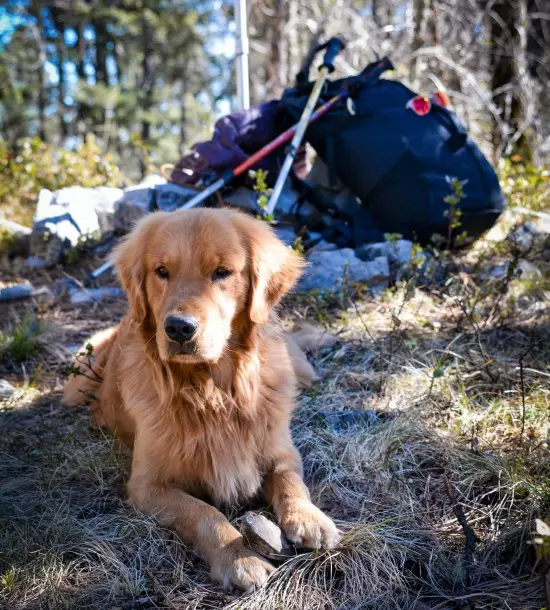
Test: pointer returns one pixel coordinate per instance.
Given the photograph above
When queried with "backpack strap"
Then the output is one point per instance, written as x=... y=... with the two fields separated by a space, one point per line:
x=459 y=135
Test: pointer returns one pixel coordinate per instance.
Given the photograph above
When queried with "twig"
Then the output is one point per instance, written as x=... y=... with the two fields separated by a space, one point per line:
x=360 y=316
x=92 y=397
x=96 y=376
x=159 y=589
x=546 y=585
x=522 y=386
x=488 y=360
x=469 y=533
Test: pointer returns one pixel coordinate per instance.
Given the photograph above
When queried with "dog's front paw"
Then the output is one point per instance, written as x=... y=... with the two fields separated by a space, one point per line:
x=238 y=566
x=307 y=526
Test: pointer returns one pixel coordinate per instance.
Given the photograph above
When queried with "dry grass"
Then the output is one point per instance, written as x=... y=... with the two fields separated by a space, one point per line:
x=451 y=406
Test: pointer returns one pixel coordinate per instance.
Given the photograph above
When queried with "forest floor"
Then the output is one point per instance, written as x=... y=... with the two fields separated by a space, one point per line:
x=436 y=493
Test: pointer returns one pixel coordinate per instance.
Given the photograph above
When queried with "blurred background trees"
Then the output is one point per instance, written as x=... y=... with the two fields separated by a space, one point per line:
x=148 y=77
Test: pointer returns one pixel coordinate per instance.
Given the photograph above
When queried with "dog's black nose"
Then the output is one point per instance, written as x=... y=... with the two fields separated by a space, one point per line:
x=181 y=329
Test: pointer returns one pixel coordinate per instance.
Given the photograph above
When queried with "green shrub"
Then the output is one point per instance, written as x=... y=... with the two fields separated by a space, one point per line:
x=32 y=165
x=526 y=185
x=23 y=340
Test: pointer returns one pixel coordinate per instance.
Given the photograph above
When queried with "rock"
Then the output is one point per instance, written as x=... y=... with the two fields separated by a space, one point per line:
x=498 y=271
x=346 y=420
x=64 y=217
x=17 y=240
x=398 y=252
x=135 y=203
x=75 y=212
x=33 y=262
x=323 y=246
x=6 y=389
x=246 y=199
x=17 y=292
x=14 y=228
x=243 y=198
x=541 y=223
x=170 y=197
x=25 y=291
x=263 y=536
x=528 y=270
x=327 y=270
x=286 y=234
x=94 y=295
x=523 y=237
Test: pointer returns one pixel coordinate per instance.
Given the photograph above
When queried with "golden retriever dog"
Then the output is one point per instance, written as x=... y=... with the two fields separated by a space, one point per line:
x=199 y=383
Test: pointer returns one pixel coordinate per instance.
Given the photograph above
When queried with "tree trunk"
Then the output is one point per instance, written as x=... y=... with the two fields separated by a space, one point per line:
x=62 y=88
x=506 y=48
x=147 y=85
x=275 y=69
x=41 y=104
x=101 y=40
x=81 y=46
x=418 y=10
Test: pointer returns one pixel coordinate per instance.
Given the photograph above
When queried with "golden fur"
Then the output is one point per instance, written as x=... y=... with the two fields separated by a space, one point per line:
x=208 y=421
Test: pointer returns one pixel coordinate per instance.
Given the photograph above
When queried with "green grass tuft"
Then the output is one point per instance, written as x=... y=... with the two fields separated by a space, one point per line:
x=23 y=340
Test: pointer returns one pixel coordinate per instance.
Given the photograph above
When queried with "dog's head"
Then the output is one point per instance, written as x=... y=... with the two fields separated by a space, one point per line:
x=194 y=278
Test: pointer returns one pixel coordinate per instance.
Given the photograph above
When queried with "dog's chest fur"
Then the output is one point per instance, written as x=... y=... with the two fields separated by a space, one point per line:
x=208 y=439
x=218 y=453
x=211 y=433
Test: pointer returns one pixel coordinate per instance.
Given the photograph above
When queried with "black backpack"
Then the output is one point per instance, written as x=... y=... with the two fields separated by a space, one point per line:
x=399 y=164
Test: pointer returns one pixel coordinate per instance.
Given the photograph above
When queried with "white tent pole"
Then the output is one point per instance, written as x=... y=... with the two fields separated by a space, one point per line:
x=243 y=89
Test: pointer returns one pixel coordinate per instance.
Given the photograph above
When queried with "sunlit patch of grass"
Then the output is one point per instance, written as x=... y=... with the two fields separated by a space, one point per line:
x=22 y=340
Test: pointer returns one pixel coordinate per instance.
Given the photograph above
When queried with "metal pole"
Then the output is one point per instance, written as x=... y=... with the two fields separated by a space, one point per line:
x=243 y=90
x=296 y=141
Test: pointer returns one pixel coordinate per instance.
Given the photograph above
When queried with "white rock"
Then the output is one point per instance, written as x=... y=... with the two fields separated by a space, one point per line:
x=528 y=270
x=75 y=212
x=6 y=389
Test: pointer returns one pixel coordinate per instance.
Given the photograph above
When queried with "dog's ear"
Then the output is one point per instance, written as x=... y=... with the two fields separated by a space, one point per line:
x=275 y=267
x=129 y=258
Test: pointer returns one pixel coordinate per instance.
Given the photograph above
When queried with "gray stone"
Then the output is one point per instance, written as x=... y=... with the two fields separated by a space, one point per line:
x=327 y=270
x=346 y=420
x=19 y=241
x=499 y=271
x=286 y=234
x=323 y=246
x=33 y=262
x=398 y=252
x=17 y=292
x=247 y=199
x=95 y=295
x=263 y=536
x=523 y=237
x=170 y=197
x=6 y=389
x=136 y=202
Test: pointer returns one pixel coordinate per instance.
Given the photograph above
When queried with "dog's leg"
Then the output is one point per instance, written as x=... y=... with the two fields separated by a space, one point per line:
x=301 y=520
x=205 y=528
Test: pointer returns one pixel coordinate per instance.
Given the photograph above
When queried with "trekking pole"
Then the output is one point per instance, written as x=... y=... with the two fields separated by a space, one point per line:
x=334 y=46
x=231 y=174
x=363 y=80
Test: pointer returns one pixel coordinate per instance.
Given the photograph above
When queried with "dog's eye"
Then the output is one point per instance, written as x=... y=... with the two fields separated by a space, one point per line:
x=162 y=272
x=220 y=273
